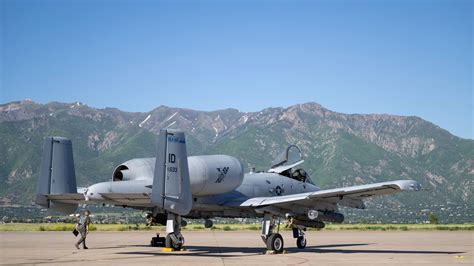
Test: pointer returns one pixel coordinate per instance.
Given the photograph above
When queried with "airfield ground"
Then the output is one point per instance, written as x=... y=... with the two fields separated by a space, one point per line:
x=242 y=248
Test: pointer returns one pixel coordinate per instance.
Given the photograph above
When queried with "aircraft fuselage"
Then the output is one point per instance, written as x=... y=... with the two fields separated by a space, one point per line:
x=261 y=184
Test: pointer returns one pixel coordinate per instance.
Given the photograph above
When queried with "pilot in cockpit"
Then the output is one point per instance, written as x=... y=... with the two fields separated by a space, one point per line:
x=299 y=174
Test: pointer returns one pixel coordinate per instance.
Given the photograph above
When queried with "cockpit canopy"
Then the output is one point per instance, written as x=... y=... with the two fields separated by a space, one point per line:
x=292 y=154
x=285 y=164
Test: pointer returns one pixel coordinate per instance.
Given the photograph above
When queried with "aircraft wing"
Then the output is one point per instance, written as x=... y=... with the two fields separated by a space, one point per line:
x=347 y=196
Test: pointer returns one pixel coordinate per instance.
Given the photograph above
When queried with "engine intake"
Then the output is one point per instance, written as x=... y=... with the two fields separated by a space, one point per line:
x=119 y=173
x=135 y=169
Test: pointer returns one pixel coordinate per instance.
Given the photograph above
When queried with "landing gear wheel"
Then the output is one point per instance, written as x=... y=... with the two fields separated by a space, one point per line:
x=275 y=243
x=301 y=242
x=208 y=223
x=171 y=243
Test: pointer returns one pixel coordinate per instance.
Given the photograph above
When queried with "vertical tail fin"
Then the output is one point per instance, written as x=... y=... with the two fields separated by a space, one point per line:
x=57 y=174
x=171 y=189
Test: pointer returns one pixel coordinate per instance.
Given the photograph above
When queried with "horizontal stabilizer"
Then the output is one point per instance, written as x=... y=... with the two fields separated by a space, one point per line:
x=68 y=198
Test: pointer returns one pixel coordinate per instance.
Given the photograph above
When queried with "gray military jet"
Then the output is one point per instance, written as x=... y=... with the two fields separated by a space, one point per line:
x=173 y=186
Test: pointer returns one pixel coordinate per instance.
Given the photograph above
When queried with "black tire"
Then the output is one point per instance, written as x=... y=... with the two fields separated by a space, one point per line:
x=169 y=243
x=208 y=223
x=275 y=243
x=301 y=242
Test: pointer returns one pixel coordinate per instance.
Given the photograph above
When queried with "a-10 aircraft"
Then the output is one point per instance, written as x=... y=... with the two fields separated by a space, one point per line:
x=173 y=186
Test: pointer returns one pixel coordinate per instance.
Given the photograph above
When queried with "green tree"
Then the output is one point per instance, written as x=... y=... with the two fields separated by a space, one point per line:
x=433 y=218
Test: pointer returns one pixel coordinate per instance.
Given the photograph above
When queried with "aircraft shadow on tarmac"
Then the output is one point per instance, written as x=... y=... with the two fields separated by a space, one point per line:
x=123 y=246
x=213 y=251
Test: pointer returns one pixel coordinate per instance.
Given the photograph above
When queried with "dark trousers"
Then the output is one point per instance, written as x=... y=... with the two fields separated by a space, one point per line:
x=83 y=238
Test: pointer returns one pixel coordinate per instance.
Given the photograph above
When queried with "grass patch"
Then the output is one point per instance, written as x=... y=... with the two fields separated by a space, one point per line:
x=18 y=227
x=253 y=228
x=400 y=227
x=196 y=227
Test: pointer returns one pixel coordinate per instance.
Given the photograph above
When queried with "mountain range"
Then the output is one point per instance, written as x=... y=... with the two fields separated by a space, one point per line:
x=339 y=149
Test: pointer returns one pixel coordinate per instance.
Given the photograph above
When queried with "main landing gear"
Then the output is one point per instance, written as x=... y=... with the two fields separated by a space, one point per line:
x=274 y=241
x=174 y=239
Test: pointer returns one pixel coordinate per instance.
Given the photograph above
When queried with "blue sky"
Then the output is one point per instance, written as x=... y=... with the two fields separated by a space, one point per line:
x=395 y=57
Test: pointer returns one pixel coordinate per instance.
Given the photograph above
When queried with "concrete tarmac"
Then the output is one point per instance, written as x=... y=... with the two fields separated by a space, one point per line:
x=241 y=248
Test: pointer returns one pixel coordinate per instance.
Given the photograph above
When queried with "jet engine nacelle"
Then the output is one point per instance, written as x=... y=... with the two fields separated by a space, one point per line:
x=214 y=174
x=135 y=169
x=208 y=174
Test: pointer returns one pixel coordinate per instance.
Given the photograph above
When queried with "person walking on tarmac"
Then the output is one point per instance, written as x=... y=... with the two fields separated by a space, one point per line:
x=83 y=228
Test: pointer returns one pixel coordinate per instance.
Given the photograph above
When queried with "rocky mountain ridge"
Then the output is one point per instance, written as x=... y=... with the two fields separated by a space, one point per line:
x=340 y=149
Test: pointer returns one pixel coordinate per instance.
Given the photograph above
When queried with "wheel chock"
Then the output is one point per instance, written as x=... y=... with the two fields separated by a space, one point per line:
x=273 y=252
x=172 y=249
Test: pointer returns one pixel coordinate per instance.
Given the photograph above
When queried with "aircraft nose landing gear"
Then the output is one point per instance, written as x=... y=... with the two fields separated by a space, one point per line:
x=298 y=233
x=301 y=242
